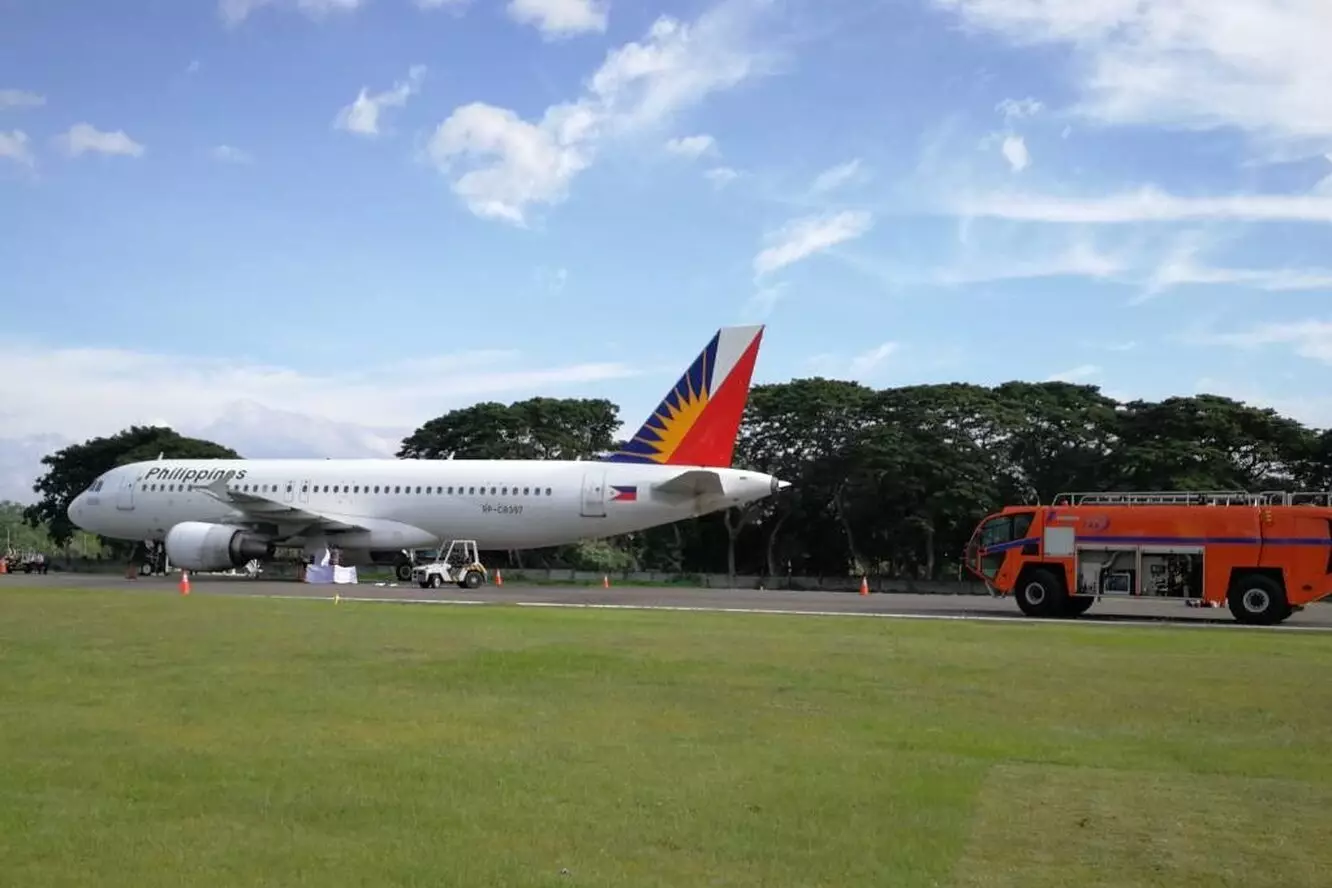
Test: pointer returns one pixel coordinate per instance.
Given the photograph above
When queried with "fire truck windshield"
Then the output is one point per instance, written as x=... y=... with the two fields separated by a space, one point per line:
x=994 y=532
x=1004 y=529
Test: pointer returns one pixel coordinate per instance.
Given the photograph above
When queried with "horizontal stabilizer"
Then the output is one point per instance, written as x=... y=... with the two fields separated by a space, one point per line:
x=696 y=482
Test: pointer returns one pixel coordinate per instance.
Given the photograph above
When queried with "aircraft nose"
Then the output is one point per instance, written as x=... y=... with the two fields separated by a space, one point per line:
x=779 y=485
x=77 y=508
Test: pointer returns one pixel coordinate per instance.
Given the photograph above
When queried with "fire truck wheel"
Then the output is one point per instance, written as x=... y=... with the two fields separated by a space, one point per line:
x=1257 y=600
x=1040 y=594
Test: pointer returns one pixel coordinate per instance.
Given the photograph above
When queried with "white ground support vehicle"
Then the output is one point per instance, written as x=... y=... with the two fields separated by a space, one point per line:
x=460 y=564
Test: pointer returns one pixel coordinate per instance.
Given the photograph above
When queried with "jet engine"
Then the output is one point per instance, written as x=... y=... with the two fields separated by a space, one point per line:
x=198 y=545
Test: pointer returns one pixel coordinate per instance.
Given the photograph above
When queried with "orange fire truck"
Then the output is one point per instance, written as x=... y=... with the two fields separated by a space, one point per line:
x=1265 y=555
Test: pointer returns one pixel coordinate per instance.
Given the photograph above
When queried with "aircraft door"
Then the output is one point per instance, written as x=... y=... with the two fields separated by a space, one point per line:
x=289 y=492
x=305 y=490
x=125 y=495
x=594 y=494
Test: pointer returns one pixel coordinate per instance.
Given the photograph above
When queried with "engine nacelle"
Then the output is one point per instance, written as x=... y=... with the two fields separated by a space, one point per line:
x=198 y=545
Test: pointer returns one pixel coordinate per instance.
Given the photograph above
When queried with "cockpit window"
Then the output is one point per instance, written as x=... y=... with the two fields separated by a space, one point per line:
x=1005 y=528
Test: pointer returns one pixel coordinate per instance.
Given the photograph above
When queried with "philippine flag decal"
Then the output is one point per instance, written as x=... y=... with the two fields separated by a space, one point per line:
x=620 y=494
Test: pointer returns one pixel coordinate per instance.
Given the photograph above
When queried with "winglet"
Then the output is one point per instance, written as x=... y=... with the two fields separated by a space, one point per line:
x=697 y=422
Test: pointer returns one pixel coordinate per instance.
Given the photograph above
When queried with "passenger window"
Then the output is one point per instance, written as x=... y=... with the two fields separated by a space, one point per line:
x=429 y=489
x=547 y=491
x=418 y=489
x=471 y=490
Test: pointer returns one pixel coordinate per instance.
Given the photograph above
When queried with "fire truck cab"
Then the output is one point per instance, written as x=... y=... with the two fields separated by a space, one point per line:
x=1264 y=555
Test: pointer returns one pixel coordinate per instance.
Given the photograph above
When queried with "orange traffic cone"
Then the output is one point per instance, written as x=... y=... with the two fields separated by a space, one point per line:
x=864 y=586
x=605 y=581
x=499 y=577
x=184 y=582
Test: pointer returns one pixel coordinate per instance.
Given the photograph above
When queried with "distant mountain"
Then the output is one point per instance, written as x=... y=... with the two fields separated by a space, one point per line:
x=251 y=429
x=258 y=432
x=21 y=464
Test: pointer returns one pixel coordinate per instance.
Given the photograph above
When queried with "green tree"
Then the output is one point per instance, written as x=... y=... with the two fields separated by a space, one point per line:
x=1059 y=436
x=73 y=469
x=793 y=430
x=538 y=428
x=1207 y=442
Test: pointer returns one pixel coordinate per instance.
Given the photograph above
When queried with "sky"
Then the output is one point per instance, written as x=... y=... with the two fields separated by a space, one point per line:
x=309 y=226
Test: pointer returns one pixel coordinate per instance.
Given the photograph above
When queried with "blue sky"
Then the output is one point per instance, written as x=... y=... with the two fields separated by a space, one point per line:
x=375 y=211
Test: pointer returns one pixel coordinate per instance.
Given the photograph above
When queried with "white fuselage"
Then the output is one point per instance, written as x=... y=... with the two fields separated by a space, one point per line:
x=404 y=504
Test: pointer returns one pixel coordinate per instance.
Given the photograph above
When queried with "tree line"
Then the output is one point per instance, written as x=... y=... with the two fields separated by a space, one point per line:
x=890 y=481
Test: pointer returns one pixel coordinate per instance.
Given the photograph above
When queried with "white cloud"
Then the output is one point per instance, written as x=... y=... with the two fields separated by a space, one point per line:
x=692 y=146
x=1015 y=152
x=1148 y=205
x=858 y=366
x=234 y=12
x=1182 y=268
x=1259 y=65
x=721 y=176
x=362 y=115
x=836 y=176
x=14 y=146
x=531 y=163
x=763 y=301
x=18 y=98
x=1016 y=109
x=83 y=138
x=501 y=164
x=804 y=237
x=1078 y=260
x=560 y=18
x=552 y=280
x=228 y=154
x=81 y=392
x=1310 y=338
x=1080 y=373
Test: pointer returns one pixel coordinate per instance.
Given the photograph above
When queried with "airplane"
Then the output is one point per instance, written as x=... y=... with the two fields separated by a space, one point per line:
x=219 y=514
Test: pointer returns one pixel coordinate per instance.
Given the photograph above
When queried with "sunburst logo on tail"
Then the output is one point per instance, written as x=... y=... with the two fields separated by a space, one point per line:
x=696 y=423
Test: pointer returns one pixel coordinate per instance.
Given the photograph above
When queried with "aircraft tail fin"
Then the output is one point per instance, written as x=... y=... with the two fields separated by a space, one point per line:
x=696 y=424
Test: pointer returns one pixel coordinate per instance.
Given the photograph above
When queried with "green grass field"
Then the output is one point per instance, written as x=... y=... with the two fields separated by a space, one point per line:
x=153 y=740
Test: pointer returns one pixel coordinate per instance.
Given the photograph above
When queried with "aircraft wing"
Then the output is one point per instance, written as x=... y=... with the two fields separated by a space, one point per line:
x=695 y=482
x=261 y=509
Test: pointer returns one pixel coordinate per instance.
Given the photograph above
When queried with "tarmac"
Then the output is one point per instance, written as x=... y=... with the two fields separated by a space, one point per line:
x=1107 y=612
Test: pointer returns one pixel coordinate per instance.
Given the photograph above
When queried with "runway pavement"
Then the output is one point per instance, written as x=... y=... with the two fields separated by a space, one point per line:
x=1317 y=617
